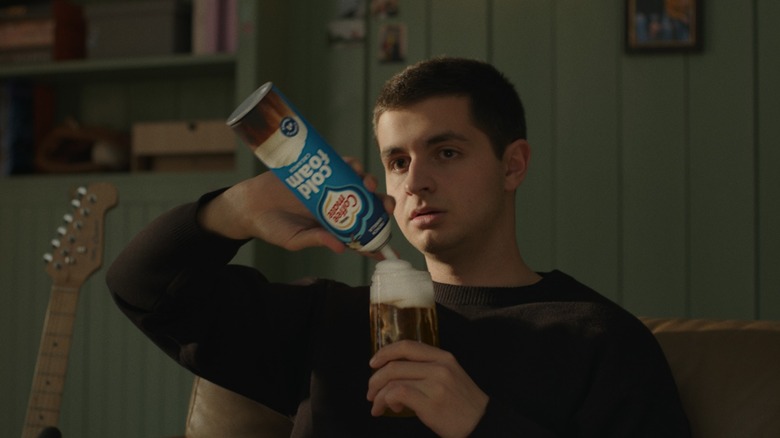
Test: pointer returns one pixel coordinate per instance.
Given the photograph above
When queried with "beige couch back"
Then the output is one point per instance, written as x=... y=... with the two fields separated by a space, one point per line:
x=728 y=373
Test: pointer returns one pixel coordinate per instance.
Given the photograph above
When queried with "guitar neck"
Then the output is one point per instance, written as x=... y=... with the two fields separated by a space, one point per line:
x=78 y=252
x=43 y=408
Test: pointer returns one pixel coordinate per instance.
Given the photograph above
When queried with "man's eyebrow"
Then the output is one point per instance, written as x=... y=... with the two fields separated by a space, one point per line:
x=389 y=152
x=445 y=137
x=431 y=141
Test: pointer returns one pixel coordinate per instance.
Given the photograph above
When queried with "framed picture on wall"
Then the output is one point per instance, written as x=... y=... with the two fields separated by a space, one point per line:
x=663 y=25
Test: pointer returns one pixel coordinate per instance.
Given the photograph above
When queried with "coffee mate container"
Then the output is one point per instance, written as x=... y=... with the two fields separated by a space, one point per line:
x=288 y=145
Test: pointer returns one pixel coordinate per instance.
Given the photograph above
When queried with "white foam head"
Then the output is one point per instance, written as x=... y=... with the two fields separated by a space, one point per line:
x=396 y=282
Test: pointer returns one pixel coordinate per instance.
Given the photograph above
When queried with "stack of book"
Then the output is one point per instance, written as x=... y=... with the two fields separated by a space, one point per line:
x=39 y=30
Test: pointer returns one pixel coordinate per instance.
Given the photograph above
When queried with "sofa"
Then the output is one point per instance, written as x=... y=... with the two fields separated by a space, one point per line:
x=728 y=374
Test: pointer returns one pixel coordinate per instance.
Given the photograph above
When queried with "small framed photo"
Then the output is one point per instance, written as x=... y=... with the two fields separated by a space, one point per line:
x=663 y=25
x=392 y=43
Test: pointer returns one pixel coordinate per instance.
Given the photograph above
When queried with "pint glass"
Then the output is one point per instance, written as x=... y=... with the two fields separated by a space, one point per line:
x=402 y=308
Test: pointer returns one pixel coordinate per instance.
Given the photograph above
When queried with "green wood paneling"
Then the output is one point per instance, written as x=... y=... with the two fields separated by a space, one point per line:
x=768 y=86
x=722 y=178
x=523 y=41
x=654 y=190
x=460 y=28
x=587 y=149
x=204 y=98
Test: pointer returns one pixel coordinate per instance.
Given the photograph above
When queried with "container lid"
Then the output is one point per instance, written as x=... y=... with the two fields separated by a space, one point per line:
x=249 y=104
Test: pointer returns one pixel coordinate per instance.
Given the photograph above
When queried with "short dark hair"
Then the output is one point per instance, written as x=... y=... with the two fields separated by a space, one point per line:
x=496 y=108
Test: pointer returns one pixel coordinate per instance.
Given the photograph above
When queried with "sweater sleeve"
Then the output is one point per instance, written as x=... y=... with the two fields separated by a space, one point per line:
x=174 y=281
x=172 y=246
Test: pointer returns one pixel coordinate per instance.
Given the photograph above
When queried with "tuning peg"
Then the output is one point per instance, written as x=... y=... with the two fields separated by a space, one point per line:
x=81 y=191
x=48 y=258
x=62 y=231
x=55 y=243
x=68 y=218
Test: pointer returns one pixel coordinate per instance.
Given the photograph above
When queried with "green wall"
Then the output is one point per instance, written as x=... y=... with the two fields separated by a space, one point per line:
x=653 y=177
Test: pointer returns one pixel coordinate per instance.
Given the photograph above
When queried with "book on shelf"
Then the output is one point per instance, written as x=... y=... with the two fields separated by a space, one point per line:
x=35 y=31
x=214 y=26
x=16 y=142
x=26 y=117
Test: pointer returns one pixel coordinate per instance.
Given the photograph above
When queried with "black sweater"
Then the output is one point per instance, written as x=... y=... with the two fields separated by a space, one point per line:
x=555 y=358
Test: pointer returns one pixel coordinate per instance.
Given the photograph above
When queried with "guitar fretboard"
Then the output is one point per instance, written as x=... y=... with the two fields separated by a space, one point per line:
x=43 y=409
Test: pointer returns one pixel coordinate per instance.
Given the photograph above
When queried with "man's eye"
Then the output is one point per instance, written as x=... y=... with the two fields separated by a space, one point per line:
x=448 y=153
x=399 y=164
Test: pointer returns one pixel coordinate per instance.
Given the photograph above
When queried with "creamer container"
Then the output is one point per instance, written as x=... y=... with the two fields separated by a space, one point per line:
x=290 y=147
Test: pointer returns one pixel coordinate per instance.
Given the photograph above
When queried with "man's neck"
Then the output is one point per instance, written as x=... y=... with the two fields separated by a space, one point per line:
x=499 y=269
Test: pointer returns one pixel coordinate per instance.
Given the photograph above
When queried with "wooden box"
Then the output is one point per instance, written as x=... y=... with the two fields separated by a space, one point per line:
x=203 y=145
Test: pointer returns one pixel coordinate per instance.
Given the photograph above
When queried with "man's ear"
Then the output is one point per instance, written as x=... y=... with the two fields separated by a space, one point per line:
x=516 y=157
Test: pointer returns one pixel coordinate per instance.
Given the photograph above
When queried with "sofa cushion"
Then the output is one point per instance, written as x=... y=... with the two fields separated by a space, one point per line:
x=728 y=374
x=217 y=412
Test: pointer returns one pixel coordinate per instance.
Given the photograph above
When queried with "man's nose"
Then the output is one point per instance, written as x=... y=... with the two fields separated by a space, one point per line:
x=419 y=178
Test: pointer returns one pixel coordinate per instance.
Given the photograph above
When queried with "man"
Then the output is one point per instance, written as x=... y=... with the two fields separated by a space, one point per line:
x=522 y=354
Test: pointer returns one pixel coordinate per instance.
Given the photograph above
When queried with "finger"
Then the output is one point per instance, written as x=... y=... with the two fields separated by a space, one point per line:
x=388 y=202
x=394 y=372
x=406 y=350
x=328 y=240
x=312 y=237
x=396 y=396
x=369 y=180
x=356 y=165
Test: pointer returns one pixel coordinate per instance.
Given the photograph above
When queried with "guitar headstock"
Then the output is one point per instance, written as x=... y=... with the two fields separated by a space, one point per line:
x=77 y=251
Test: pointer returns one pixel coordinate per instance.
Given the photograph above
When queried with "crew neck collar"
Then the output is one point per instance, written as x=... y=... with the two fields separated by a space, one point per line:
x=490 y=296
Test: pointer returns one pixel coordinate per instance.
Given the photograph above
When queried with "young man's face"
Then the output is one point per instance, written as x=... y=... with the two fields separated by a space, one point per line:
x=447 y=182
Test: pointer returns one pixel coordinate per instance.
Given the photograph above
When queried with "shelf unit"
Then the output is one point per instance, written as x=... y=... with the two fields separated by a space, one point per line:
x=116 y=93
x=86 y=69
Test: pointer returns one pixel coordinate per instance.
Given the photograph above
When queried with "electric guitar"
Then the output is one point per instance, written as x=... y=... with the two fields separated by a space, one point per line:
x=77 y=252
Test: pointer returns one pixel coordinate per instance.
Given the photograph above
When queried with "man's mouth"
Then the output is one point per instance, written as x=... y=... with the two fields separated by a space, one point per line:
x=425 y=216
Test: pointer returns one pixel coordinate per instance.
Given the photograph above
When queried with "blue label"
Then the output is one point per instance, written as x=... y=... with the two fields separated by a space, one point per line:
x=332 y=190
